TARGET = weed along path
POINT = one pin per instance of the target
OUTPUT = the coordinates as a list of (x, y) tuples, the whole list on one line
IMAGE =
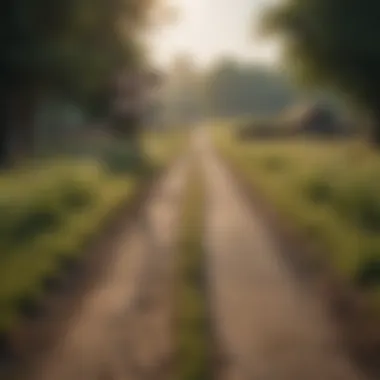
[(268, 328), (123, 328)]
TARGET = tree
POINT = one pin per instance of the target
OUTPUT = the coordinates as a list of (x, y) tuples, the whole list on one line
[(130, 100), (181, 100), (235, 89), (70, 47), (333, 43)]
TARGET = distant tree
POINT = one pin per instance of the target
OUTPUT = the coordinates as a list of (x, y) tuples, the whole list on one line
[(234, 89), (333, 43), (131, 100), (182, 102)]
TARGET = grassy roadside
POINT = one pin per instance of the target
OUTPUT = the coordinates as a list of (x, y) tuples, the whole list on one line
[(162, 148), (193, 358), (50, 213), (326, 190)]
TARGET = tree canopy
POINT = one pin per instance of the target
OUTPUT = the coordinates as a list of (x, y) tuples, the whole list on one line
[(230, 88), (233, 89), (68, 48), (333, 43), (70, 44)]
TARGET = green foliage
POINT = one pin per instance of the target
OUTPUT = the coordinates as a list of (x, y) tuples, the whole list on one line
[(358, 198), (368, 274), (44, 209), (233, 89), (162, 147), (268, 127), (318, 188), (49, 212), (329, 196), (355, 197), (72, 46), (122, 159), (332, 42), (44, 229), (313, 120)]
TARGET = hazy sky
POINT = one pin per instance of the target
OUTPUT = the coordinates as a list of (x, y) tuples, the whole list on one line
[(208, 29)]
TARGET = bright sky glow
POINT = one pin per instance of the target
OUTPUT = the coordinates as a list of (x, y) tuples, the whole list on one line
[(209, 29)]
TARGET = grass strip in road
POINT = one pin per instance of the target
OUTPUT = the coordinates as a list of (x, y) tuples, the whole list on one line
[(193, 360)]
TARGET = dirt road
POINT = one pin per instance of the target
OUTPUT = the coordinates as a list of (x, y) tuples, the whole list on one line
[(122, 330), (269, 328)]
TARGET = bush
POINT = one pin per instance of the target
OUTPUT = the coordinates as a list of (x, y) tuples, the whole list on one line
[(39, 217), (358, 198), (354, 194), (47, 215), (44, 208), (44, 225), (76, 195), (122, 158), (368, 274), (319, 188)]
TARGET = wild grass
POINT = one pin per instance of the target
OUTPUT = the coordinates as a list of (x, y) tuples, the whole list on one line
[(329, 190), (49, 212)]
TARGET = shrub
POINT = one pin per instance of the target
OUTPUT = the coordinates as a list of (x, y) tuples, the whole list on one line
[(319, 188), (77, 194), (359, 199), (121, 159), (43, 208), (47, 215), (368, 274), (39, 217)]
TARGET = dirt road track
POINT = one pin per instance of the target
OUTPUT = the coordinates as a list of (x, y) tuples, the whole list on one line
[(268, 327), (123, 328)]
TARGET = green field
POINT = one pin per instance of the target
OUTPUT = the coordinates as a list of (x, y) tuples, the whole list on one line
[(330, 191), (50, 211)]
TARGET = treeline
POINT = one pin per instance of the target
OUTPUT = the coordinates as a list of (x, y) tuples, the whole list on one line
[(233, 89), (329, 43), (64, 52)]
